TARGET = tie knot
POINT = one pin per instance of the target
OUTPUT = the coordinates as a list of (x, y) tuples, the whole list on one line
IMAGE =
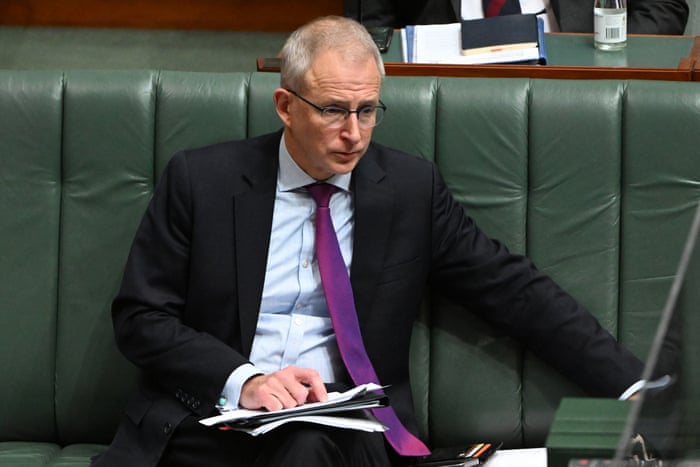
[(321, 193)]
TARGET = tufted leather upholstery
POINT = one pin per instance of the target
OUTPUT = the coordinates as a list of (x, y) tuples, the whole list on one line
[(595, 180)]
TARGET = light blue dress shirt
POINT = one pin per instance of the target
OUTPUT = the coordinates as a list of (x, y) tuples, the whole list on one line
[(294, 327)]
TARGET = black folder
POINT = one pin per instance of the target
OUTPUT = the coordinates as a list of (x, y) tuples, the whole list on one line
[(499, 32)]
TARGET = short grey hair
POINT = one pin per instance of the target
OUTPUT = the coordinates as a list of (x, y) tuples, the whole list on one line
[(324, 33)]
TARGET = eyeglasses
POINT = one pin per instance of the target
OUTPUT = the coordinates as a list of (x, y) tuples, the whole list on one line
[(334, 117)]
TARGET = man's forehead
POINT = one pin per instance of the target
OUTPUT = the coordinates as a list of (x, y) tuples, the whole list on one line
[(334, 70)]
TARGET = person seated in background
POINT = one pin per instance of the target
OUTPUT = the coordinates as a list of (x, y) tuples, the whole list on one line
[(644, 16)]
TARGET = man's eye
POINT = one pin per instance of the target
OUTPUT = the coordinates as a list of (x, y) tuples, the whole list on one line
[(369, 110), (334, 111)]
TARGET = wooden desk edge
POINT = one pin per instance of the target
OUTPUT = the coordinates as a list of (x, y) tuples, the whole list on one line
[(519, 71), (692, 61), (537, 71)]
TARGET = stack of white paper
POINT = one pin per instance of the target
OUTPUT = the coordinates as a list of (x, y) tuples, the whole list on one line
[(332, 412)]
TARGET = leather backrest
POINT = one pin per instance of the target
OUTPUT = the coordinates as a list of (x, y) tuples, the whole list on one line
[(595, 180), (30, 200)]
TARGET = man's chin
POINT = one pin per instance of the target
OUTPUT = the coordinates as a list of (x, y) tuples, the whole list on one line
[(345, 167), (344, 160)]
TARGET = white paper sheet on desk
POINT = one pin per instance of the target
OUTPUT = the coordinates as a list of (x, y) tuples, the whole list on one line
[(531, 457)]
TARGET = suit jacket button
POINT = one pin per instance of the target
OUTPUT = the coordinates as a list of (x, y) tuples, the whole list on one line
[(167, 428)]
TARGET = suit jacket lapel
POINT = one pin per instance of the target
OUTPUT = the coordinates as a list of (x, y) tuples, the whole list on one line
[(253, 202), (373, 202)]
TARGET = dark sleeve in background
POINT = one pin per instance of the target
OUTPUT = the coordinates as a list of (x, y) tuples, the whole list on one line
[(644, 16), (658, 16), (399, 13)]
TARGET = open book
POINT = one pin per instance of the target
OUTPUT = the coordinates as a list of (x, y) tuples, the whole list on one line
[(342, 410)]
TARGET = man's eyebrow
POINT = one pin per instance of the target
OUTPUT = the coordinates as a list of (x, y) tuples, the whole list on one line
[(346, 104)]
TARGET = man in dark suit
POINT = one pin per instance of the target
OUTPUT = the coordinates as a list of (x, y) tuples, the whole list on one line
[(644, 16), (221, 302)]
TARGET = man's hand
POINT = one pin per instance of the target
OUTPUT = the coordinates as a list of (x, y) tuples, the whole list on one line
[(283, 389)]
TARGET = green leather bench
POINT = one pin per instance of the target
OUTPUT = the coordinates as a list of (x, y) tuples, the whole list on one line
[(596, 181)]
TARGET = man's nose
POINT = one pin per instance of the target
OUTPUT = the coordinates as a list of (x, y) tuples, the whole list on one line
[(351, 126)]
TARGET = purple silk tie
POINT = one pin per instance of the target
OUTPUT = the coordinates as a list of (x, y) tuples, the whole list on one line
[(341, 307)]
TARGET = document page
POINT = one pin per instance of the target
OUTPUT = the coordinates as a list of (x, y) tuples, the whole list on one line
[(342, 409), (534, 457)]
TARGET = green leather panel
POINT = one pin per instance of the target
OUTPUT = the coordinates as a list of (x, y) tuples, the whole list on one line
[(30, 187), (573, 215), (482, 151), (574, 201), (198, 109), (76, 455), (26, 454), (107, 172), (661, 189), (419, 358), (262, 117), (409, 122), (481, 136)]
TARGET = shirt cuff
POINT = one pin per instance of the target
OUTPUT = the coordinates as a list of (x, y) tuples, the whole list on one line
[(632, 390), (231, 394), (637, 386)]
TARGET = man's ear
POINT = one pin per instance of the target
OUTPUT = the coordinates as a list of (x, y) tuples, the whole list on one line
[(282, 100)]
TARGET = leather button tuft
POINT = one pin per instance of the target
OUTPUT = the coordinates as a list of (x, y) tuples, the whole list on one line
[(167, 428)]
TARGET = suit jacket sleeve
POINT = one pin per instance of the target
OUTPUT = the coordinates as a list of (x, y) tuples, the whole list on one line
[(657, 16), (149, 312), (644, 16), (509, 292)]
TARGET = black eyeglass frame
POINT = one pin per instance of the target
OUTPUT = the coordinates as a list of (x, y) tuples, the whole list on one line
[(324, 110)]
